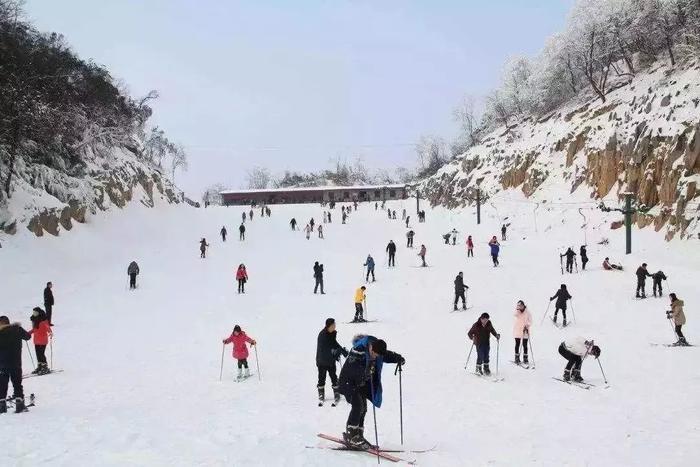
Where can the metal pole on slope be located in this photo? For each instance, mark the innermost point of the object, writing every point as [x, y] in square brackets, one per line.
[546, 311]
[469, 355]
[221, 371]
[257, 363]
[51, 352]
[374, 413]
[498, 347]
[478, 206]
[601, 370]
[31, 357]
[400, 370]
[573, 314]
[532, 352]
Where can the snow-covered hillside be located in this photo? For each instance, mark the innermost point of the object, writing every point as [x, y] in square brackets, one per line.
[141, 369]
[645, 139]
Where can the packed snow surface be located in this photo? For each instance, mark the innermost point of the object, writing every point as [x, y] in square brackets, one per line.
[141, 369]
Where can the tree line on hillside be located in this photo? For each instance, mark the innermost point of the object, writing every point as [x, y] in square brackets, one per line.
[55, 107]
[604, 44]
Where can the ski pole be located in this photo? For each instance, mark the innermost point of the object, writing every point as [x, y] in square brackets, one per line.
[365, 303]
[546, 311]
[400, 370]
[498, 347]
[257, 363]
[374, 414]
[532, 353]
[221, 371]
[30, 354]
[601, 370]
[51, 353]
[673, 328]
[469, 356]
[573, 314]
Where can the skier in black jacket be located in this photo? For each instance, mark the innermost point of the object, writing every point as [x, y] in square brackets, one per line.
[570, 255]
[132, 271]
[584, 257]
[241, 232]
[48, 301]
[391, 249]
[562, 296]
[318, 277]
[11, 337]
[360, 380]
[328, 351]
[642, 275]
[459, 291]
[223, 233]
[657, 277]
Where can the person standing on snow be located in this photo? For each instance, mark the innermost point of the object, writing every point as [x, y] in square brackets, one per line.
[575, 351]
[132, 271]
[454, 236]
[243, 217]
[49, 301]
[41, 332]
[562, 295]
[422, 254]
[370, 268]
[391, 250]
[480, 335]
[223, 233]
[328, 351]
[460, 288]
[241, 232]
[250, 215]
[311, 224]
[408, 218]
[470, 247]
[293, 224]
[521, 330]
[11, 337]
[642, 275]
[409, 238]
[241, 277]
[503, 233]
[330, 219]
[240, 351]
[307, 231]
[360, 298]
[344, 216]
[320, 231]
[495, 249]
[584, 256]
[570, 255]
[361, 380]
[203, 248]
[678, 316]
[656, 278]
[318, 277]
[403, 215]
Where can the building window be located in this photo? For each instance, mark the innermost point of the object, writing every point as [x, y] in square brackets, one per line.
[346, 195]
[376, 194]
[392, 194]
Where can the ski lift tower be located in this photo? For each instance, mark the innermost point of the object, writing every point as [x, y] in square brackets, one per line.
[628, 210]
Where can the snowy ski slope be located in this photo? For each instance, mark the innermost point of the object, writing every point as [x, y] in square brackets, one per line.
[141, 385]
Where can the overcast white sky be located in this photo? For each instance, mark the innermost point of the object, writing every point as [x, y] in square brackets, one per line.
[294, 84]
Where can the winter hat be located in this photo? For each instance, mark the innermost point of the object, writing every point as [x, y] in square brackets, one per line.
[379, 346]
[329, 322]
[595, 351]
[484, 315]
[236, 328]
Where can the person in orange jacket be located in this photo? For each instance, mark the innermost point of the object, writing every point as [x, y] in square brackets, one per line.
[41, 333]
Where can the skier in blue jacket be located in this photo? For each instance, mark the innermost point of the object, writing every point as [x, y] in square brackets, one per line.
[495, 248]
[370, 268]
[360, 380]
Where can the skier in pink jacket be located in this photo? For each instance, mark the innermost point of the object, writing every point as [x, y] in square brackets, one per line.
[240, 350]
[521, 330]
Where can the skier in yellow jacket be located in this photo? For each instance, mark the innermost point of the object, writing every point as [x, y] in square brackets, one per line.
[359, 300]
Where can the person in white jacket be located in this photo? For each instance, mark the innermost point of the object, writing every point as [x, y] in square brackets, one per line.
[521, 330]
[575, 351]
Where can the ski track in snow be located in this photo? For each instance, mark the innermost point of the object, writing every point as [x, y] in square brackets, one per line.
[141, 386]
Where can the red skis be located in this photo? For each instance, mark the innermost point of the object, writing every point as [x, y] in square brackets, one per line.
[371, 451]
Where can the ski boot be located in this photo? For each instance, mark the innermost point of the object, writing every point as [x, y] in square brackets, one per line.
[336, 395]
[3, 406]
[321, 394]
[36, 370]
[19, 405]
[525, 360]
[246, 372]
[479, 370]
[455, 308]
[358, 441]
[567, 375]
[576, 376]
[683, 342]
[464, 306]
[563, 324]
[239, 376]
[42, 369]
[517, 359]
[487, 370]
[554, 320]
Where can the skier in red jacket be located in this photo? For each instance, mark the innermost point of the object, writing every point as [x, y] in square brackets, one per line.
[41, 332]
[240, 351]
[241, 277]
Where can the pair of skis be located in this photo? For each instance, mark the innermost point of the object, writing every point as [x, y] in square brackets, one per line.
[383, 453]
[32, 375]
[524, 366]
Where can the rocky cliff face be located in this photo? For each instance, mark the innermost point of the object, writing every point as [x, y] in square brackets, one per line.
[645, 139]
[48, 200]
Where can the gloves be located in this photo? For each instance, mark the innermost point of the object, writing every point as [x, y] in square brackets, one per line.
[345, 352]
[401, 361]
[253, 343]
[224, 341]
[498, 336]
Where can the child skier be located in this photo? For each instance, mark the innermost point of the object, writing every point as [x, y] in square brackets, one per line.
[575, 351]
[240, 350]
[241, 277]
[41, 332]
[521, 330]
[480, 334]
[562, 295]
[223, 233]
[360, 380]
[678, 317]
[360, 298]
